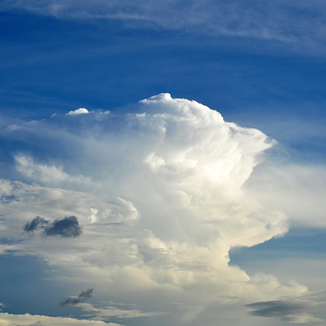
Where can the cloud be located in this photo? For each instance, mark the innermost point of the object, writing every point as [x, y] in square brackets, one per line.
[297, 23]
[27, 319]
[294, 312]
[78, 111]
[34, 225]
[83, 296]
[67, 227]
[111, 311]
[285, 185]
[45, 174]
[162, 200]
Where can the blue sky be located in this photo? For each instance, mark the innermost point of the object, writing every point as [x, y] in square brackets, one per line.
[204, 203]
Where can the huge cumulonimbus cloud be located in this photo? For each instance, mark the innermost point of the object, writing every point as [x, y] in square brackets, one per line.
[158, 193]
[177, 162]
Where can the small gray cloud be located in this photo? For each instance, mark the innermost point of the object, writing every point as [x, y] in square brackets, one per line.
[67, 227]
[35, 224]
[82, 297]
[286, 311]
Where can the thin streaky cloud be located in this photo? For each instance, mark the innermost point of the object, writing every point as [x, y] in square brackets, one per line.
[294, 22]
[293, 312]
[108, 312]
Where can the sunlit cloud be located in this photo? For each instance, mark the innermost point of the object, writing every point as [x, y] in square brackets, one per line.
[27, 319]
[157, 203]
[78, 111]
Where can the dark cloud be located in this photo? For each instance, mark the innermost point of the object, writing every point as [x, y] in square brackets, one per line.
[74, 300]
[287, 311]
[35, 224]
[67, 227]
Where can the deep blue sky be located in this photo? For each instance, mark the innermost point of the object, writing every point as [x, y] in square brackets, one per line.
[51, 65]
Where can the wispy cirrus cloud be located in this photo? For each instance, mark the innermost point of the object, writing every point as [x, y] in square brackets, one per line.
[299, 23]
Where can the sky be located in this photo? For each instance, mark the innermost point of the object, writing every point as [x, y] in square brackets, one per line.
[162, 162]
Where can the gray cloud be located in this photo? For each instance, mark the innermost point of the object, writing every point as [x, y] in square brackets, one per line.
[35, 224]
[67, 227]
[286, 311]
[82, 297]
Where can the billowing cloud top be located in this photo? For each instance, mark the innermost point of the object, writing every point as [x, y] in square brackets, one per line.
[158, 195]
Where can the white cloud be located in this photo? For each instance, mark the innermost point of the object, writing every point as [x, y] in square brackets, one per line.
[30, 320]
[298, 191]
[106, 312]
[45, 174]
[78, 111]
[159, 197]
